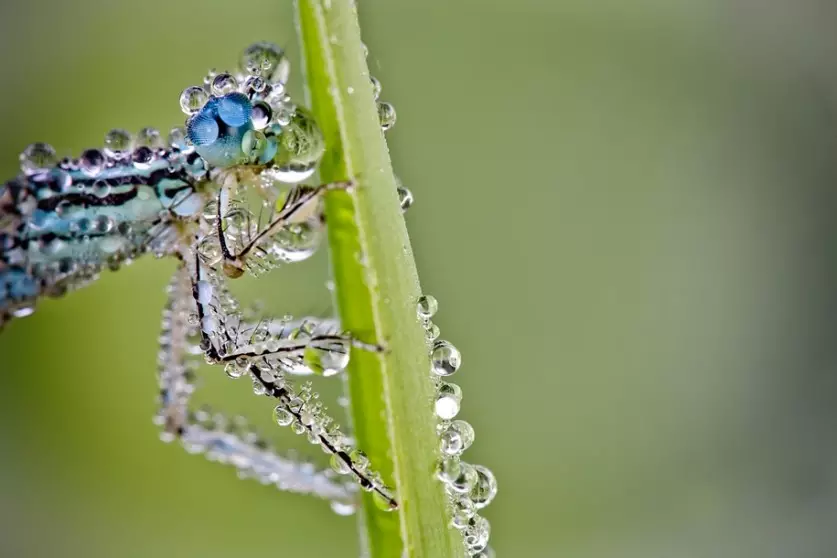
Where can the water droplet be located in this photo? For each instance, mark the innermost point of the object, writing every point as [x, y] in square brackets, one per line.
[465, 480]
[193, 99]
[386, 114]
[463, 511]
[405, 198]
[445, 359]
[456, 437]
[339, 466]
[431, 331]
[448, 469]
[282, 416]
[376, 87]
[38, 157]
[343, 508]
[92, 162]
[149, 137]
[177, 139]
[261, 115]
[301, 146]
[485, 489]
[427, 307]
[477, 534]
[100, 189]
[448, 401]
[223, 83]
[487, 552]
[142, 157]
[360, 460]
[382, 503]
[118, 143]
[266, 60]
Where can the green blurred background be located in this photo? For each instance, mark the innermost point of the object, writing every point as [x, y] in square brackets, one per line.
[625, 209]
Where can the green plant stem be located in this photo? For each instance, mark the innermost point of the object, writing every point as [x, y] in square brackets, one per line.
[376, 289]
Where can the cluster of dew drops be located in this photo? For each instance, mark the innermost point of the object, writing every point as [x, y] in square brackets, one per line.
[469, 488]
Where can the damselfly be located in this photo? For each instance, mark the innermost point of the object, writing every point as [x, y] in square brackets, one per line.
[62, 222]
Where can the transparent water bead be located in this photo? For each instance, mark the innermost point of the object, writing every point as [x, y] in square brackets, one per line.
[92, 162]
[193, 99]
[343, 508]
[266, 60]
[431, 331]
[118, 143]
[405, 198]
[386, 114]
[456, 437]
[282, 416]
[427, 307]
[465, 480]
[487, 552]
[301, 146]
[376, 87]
[149, 137]
[38, 157]
[223, 83]
[477, 534]
[445, 359]
[448, 401]
[485, 489]
[177, 138]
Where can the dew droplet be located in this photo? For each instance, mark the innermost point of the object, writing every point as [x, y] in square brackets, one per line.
[261, 115]
[465, 480]
[376, 87]
[405, 198]
[343, 508]
[149, 137]
[427, 307]
[38, 157]
[92, 162]
[339, 466]
[177, 139]
[386, 114]
[142, 157]
[431, 331]
[193, 99]
[485, 489]
[223, 84]
[456, 438]
[282, 416]
[477, 534]
[301, 146]
[118, 143]
[266, 60]
[448, 401]
[445, 359]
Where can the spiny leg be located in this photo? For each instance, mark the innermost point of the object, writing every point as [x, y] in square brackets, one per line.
[220, 439]
[239, 245]
[266, 362]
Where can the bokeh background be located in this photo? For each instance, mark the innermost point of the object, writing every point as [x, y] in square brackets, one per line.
[626, 210]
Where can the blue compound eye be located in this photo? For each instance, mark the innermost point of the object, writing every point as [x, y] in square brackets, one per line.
[234, 109]
[202, 128]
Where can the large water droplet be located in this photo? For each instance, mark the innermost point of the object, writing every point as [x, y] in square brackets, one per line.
[38, 157]
[386, 114]
[266, 60]
[427, 307]
[118, 143]
[465, 480]
[301, 146]
[448, 401]
[339, 466]
[177, 139]
[92, 162]
[149, 137]
[456, 437]
[282, 416]
[485, 489]
[445, 359]
[193, 99]
[376, 87]
[261, 115]
[343, 508]
[223, 84]
[477, 534]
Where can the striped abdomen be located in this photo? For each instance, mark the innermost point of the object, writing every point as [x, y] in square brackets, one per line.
[61, 226]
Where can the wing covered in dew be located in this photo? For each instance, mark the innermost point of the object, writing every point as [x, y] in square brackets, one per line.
[62, 222]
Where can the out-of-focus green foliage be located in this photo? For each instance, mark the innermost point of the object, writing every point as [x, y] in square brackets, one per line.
[624, 208]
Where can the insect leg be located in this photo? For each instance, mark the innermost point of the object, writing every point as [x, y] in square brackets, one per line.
[220, 439]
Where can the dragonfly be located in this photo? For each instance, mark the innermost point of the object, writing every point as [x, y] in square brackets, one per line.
[224, 196]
